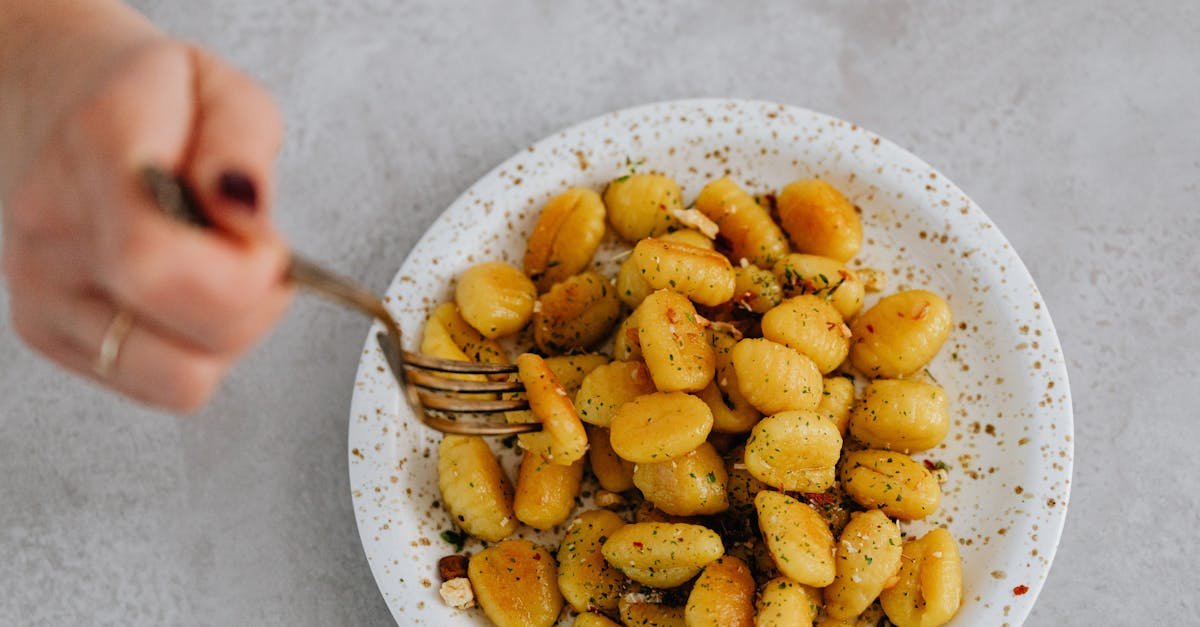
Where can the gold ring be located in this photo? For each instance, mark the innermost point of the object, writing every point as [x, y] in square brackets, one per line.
[110, 346]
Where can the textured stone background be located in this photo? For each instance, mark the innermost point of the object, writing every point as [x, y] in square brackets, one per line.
[1073, 124]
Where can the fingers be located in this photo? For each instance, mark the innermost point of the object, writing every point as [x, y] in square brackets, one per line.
[236, 137]
[149, 366]
[218, 294]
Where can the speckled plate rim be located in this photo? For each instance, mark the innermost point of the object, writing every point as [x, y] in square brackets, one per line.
[375, 396]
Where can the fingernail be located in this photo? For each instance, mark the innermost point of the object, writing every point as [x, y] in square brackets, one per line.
[240, 189]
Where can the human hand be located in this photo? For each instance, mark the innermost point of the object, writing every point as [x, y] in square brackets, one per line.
[83, 242]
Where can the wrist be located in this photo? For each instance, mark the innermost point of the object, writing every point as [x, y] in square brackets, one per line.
[52, 54]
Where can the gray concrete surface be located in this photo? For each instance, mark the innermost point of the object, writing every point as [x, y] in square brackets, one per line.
[1074, 124]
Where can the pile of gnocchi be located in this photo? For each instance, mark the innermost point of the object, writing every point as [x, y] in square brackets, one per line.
[748, 428]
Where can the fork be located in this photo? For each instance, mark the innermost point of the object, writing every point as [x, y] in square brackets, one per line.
[422, 379]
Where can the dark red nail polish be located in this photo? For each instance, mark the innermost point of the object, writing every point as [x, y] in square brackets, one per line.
[240, 189]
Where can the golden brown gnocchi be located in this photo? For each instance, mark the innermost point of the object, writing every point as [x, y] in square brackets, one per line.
[775, 378]
[748, 228]
[819, 220]
[837, 401]
[516, 584]
[613, 473]
[691, 485]
[900, 334]
[755, 289]
[868, 558]
[495, 298]
[929, 587]
[632, 286]
[474, 488]
[627, 346]
[678, 412]
[473, 344]
[586, 580]
[795, 451]
[545, 492]
[732, 413]
[797, 537]
[659, 427]
[643, 205]
[786, 603]
[662, 555]
[890, 481]
[562, 439]
[723, 596]
[812, 326]
[900, 415]
[688, 236]
[674, 345]
[575, 314]
[565, 238]
[702, 275]
[821, 276]
[608, 387]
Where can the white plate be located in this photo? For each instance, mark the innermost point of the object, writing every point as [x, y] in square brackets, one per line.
[1010, 446]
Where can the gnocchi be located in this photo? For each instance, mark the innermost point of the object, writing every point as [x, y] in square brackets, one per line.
[786, 603]
[797, 537]
[830, 279]
[929, 587]
[775, 378]
[643, 205]
[608, 387]
[868, 559]
[691, 485]
[546, 492]
[662, 555]
[474, 488]
[900, 415]
[495, 298]
[755, 289]
[900, 334]
[472, 343]
[794, 451]
[673, 343]
[613, 473]
[819, 220]
[586, 580]
[704, 276]
[748, 228]
[723, 596]
[892, 482]
[727, 402]
[812, 326]
[562, 439]
[575, 314]
[659, 427]
[565, 238]
[516, 584]
[837, 401]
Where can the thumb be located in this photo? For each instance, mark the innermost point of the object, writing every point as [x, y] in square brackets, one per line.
[235, 139]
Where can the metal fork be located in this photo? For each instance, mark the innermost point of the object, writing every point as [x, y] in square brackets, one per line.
[422, 379]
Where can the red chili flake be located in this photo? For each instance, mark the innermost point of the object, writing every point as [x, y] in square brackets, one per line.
[1021, 589]
[870, 328]
[929, 465]
[638, 545]
[819, 498]
[537, 557]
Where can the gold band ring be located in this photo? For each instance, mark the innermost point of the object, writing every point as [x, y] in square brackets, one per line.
[110, 346]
